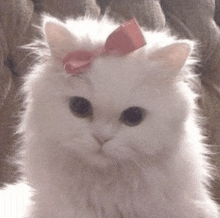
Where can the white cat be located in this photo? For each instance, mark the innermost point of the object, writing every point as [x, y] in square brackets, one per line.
[120, 140]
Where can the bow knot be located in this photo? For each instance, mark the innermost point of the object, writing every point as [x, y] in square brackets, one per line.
[124, 40]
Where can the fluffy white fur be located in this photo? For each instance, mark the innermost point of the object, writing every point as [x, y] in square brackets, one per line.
[156, 169]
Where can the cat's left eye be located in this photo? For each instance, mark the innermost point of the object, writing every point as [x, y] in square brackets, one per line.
[81, 107]
[132, 116]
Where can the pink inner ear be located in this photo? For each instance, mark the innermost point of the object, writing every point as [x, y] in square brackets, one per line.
[172, 56]
[59, 39]
[54, 32]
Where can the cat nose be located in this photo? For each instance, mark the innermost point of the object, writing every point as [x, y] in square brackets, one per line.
[101, 139]
[103, 131]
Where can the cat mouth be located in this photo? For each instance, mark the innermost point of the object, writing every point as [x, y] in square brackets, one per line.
[102, 152]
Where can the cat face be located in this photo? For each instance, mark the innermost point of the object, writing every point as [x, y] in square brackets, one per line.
[121, 108]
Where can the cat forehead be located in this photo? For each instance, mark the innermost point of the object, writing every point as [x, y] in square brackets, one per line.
[113, 81]
[117, 71]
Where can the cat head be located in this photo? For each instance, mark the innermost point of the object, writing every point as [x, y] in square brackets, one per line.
[122, 107]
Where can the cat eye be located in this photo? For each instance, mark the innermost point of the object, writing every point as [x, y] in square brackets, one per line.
[132, 116]
[81, 107]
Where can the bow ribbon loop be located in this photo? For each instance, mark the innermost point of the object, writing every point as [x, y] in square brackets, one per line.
[124, 40]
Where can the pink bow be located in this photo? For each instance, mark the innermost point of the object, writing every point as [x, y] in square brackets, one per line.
[124, 40]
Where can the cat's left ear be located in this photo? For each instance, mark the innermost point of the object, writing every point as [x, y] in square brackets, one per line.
[172, 57]
[59, 38]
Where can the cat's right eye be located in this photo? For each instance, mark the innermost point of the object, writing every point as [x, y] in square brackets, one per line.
[81, 107]
[132, 116]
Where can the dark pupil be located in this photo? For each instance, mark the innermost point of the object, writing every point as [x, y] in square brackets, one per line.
[80, 106]
[132, 116]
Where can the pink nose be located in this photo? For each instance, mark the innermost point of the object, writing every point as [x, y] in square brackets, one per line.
[101, 140]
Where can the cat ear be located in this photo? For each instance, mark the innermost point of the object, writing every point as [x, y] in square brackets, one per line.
[172, 57]
[59, 39]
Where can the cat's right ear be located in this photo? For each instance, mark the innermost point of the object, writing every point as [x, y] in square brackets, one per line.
[59, 38]
[172, 58]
